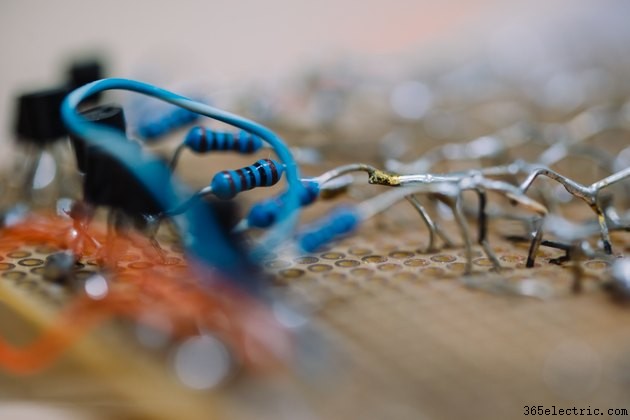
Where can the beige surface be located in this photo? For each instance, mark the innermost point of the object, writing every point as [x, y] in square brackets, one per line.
[220, 45]
[397, 335]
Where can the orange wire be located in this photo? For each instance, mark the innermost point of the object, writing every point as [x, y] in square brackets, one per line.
[169, 289]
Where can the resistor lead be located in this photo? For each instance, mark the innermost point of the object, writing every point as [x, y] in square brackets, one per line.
[226, 184]
[341, 221]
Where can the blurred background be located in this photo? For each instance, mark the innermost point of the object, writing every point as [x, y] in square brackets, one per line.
[369, 80]
[227, 44]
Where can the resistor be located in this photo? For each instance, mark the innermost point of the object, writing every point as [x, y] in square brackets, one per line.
[346, 219]
[265, 213]
[340, 221]
[202, 139]
[264, 173]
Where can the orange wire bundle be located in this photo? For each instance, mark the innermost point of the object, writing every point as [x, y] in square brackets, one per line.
[191, 301]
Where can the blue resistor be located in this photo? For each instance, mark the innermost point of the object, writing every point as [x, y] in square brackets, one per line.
[156, 124]
[263, 173]
[340, 221]
[202, 140]
[265, 213]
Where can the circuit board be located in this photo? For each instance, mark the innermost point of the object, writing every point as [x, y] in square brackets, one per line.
[395, 332]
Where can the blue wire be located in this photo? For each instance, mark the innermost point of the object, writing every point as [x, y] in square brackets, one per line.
[152, 175]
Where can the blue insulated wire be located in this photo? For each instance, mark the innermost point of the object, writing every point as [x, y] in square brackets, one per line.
[111, 142]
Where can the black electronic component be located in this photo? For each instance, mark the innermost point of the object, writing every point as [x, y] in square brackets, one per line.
[108, 182]
[38, 116]
[110, 115]
[84, 72]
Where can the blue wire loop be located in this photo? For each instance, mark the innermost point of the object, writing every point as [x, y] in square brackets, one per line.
[152, 175]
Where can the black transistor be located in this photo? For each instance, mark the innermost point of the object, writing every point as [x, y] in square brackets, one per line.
[107, 182]
[39, 116]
